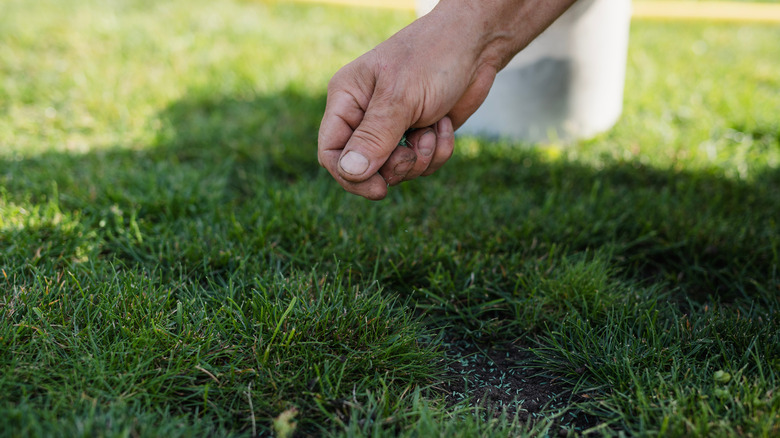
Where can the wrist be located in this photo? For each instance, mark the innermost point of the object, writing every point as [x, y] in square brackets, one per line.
[499, 29]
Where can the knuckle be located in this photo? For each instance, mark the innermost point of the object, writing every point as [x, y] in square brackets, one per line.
[372, 139]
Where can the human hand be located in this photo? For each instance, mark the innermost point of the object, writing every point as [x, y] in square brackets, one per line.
[430, 77]
[420, 79]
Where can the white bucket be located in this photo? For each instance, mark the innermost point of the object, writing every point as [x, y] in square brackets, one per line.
[567, 84]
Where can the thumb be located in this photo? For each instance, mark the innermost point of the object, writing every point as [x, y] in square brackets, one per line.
[372, 143]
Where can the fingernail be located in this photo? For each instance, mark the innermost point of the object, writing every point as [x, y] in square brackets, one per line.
[444, 126]
[427, 143]
[401, 169]
[353, 163]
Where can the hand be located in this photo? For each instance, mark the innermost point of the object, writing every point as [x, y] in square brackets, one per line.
[428, 148]
[430, 76]
[420, 78]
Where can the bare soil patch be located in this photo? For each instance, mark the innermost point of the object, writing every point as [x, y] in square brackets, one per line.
[501, 378]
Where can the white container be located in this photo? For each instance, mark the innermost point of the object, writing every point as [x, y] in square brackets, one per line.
[567, 84]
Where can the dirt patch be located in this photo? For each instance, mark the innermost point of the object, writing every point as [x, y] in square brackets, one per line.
[499, 378]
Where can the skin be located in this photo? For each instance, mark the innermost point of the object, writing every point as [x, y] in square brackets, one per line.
[431, 76]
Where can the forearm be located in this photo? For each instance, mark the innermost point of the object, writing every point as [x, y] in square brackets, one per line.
[501, 28]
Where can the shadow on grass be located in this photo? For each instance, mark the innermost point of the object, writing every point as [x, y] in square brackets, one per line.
[272, 138]
[210, 153]
[706, 233]
[233, 178]
[231, 191]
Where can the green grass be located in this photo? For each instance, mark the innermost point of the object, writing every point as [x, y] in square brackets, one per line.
[175, 263]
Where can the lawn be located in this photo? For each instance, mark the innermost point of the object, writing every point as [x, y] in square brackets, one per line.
[173, 262]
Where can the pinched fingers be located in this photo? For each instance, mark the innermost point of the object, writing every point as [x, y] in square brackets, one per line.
[374, 188]
[400, 162]
[445, 145]
[348, 162]
[434, 146]
[428, 149]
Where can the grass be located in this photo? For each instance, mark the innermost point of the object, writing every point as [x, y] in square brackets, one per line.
[175, 263]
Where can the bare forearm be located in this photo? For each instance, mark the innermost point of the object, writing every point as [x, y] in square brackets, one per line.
[501, 27]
